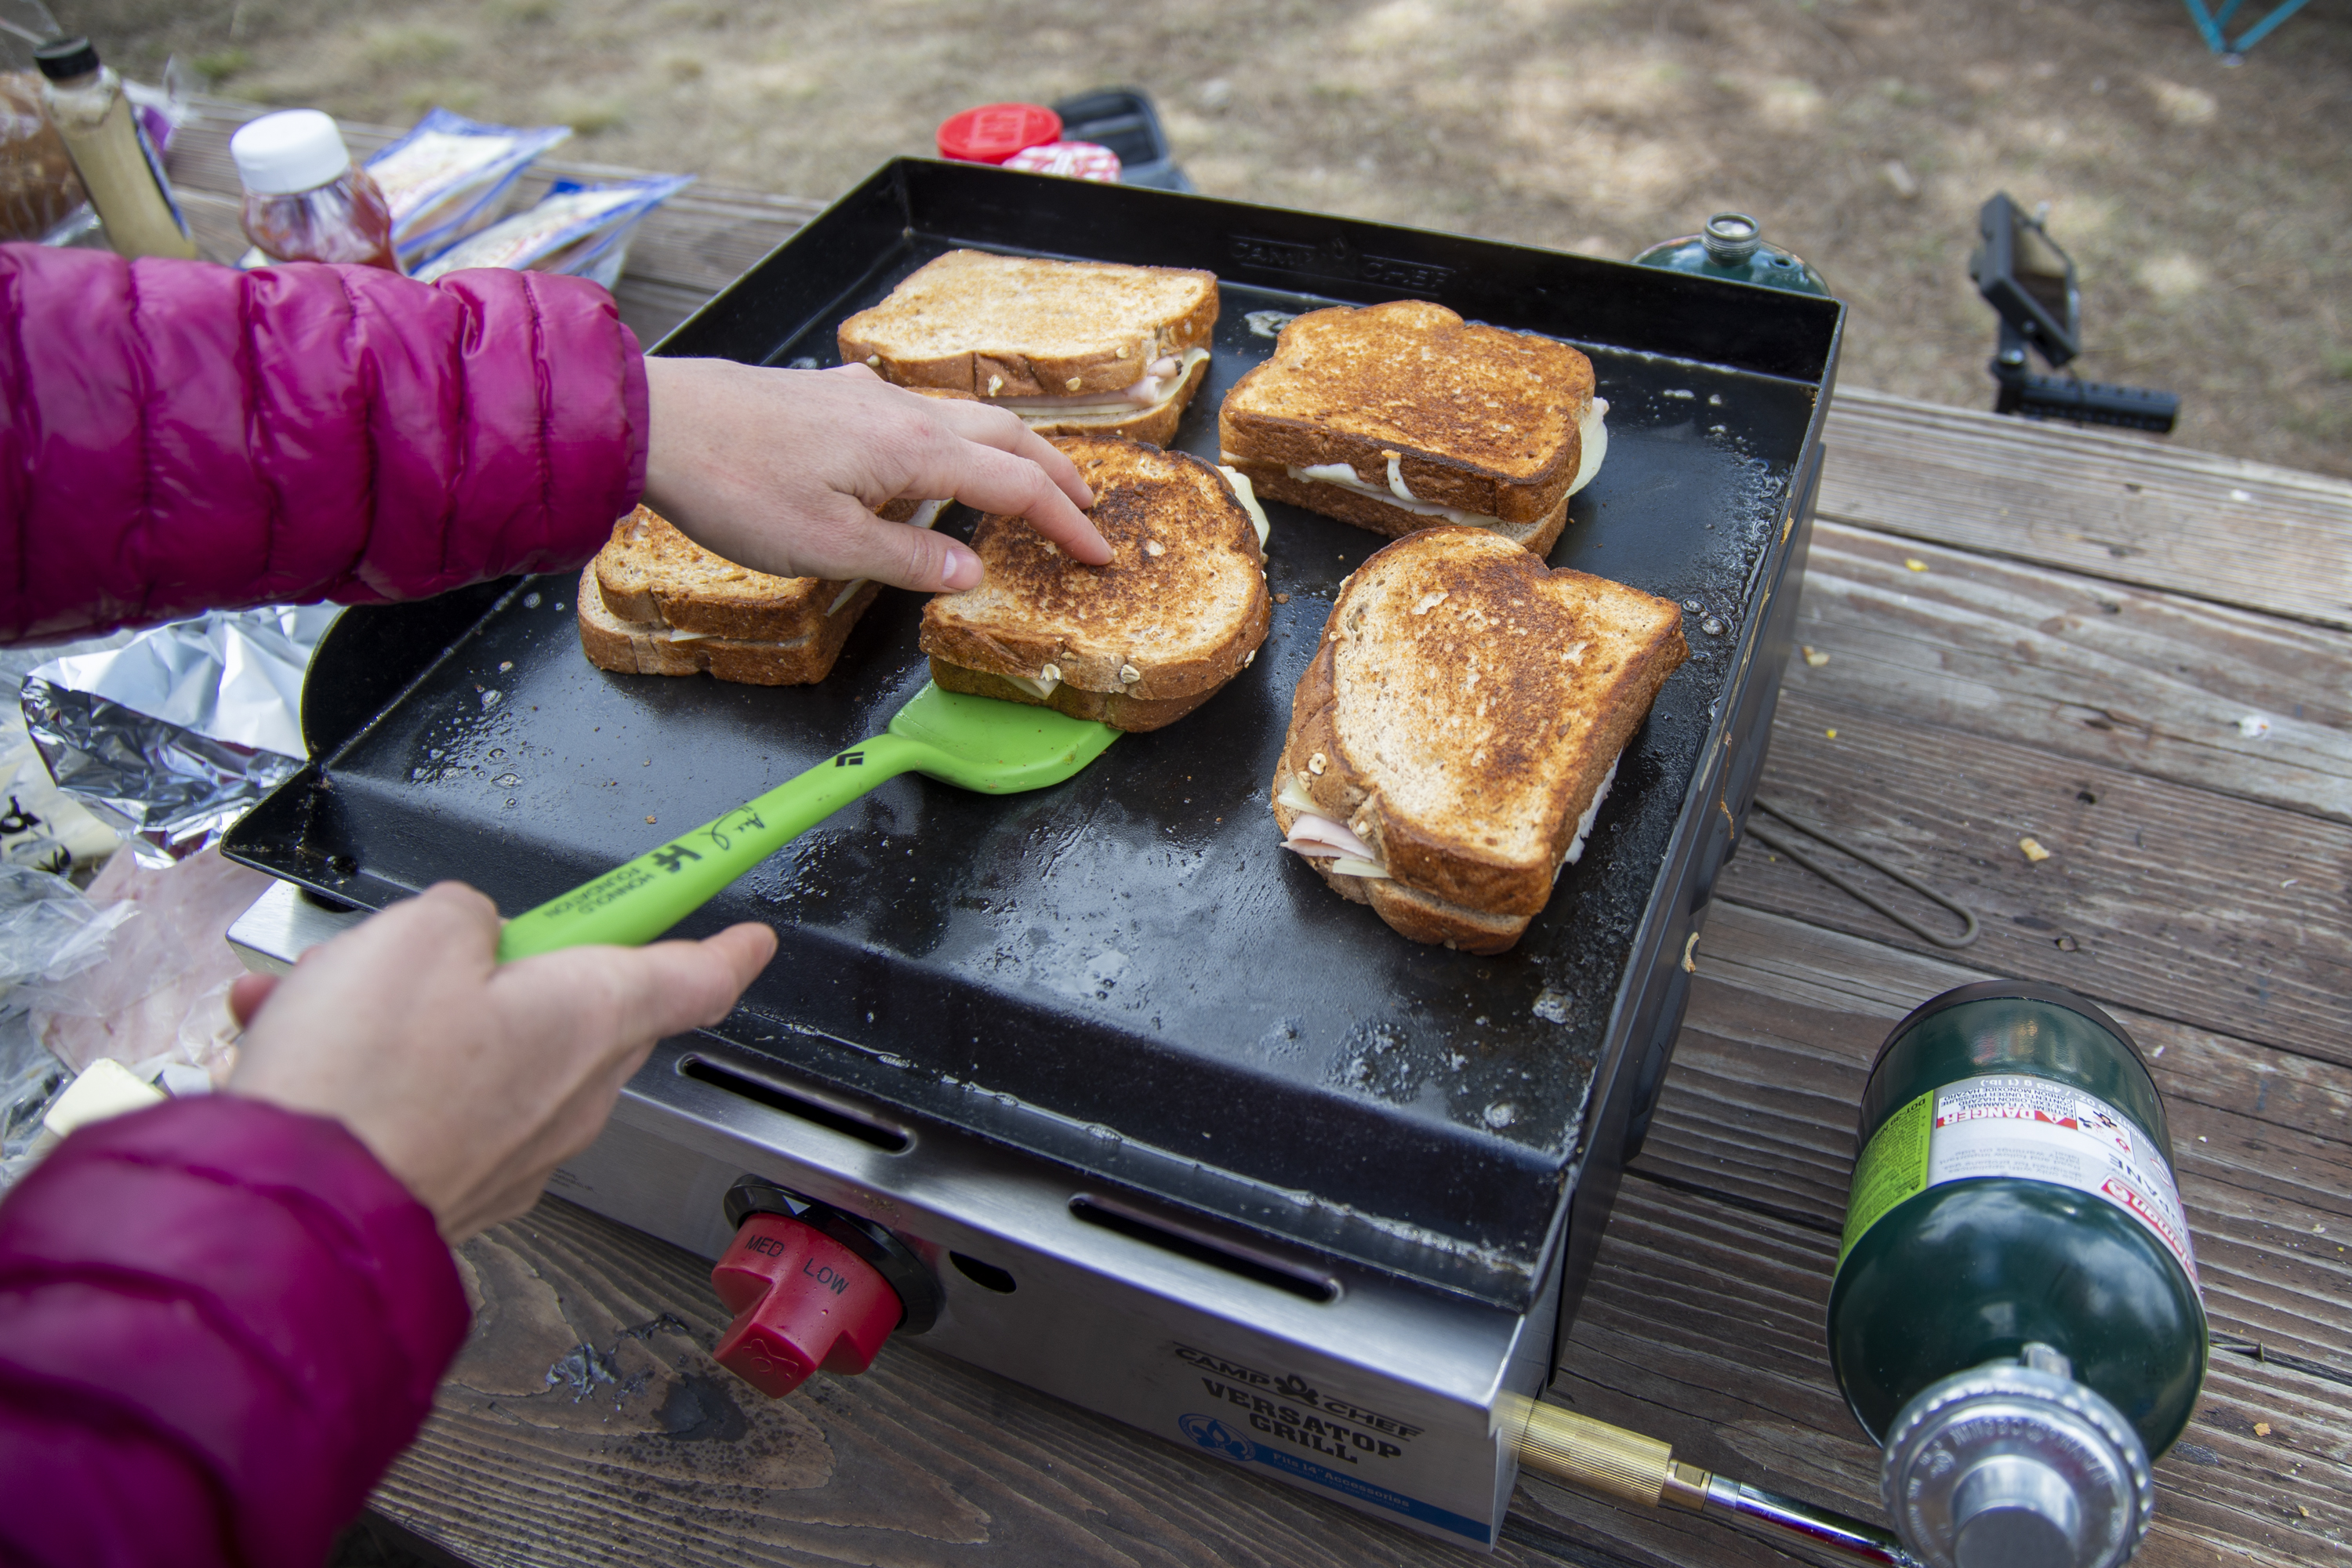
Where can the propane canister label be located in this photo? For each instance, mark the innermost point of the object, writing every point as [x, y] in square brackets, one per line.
[2012, 1125]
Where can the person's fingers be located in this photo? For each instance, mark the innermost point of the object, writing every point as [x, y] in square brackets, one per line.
[1004, 430]
[247, 992]
[644, 993]
[988, 479]
[854, 543]
[461, 915]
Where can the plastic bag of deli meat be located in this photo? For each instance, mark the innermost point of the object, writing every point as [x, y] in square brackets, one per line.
[157, 992]
[447, 178]
[583, 230]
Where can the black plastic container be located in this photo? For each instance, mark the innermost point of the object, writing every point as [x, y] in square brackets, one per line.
[1125, 974]
[1123, 120]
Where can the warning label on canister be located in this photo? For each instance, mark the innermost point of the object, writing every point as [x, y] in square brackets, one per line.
[2012, 1125]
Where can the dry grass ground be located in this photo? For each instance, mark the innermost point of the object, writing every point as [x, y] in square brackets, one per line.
[2205, 205]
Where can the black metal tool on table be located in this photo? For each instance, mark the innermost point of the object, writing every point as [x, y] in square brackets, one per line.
[1969, 930]
[2024, 277]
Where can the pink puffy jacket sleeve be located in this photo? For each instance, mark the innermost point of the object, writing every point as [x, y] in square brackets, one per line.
[219, 1320]
[180, 435]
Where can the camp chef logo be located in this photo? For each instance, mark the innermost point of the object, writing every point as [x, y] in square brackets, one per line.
[1290, 1410]
[1335, 257]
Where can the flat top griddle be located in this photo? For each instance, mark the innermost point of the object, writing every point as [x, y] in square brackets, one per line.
[1124, 974]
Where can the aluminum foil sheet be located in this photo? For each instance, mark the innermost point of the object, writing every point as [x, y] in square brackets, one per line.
[175, 734]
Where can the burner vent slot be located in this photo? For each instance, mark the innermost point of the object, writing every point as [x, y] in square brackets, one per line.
[1204, 1245]
[987, 1276]
[837, 1116]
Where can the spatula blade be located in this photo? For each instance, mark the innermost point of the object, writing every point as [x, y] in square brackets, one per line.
[997, 747]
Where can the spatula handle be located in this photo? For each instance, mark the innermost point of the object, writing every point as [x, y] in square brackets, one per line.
[636, 902]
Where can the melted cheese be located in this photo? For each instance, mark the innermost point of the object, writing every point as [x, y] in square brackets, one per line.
[1036, 686]
[1592, 447]
[1246, 493]
[1584, 823]
[1147, 393]
[1344, 476]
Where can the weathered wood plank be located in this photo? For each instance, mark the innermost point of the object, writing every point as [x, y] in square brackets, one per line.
[1859, 987]
[642, 1450]
[2228, 700]
[2219, 912]
[2106, 504]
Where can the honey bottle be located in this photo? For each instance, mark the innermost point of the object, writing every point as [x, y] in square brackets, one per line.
[118, 165]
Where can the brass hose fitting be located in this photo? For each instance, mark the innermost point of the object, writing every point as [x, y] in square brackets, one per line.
[1611, 1462]
[1598, 1458]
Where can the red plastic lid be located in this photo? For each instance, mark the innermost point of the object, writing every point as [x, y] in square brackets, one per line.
[1077, 160]
[802, 1301]
[994, 131]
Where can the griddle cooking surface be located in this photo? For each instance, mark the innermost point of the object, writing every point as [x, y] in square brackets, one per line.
[1124, 973]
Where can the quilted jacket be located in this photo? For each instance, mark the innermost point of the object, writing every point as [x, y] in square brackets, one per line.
[219, 1319]
[182, 436]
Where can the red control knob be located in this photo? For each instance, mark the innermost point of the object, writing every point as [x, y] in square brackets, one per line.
[802, 1301]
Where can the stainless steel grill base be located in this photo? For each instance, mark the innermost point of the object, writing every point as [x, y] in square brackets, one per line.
[1375, 1393]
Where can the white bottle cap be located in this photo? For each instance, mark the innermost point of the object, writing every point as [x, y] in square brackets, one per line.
[293, 150]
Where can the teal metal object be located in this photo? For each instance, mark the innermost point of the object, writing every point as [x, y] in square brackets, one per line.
[2211, 24]
[1733, 247]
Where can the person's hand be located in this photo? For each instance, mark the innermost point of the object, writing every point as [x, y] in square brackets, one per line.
[469, 1080]
[781, 470]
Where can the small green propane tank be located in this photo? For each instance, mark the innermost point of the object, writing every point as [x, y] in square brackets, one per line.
[1733, 247]
[2016, 1315]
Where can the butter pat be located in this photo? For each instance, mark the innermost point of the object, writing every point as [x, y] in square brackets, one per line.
[105, 1090]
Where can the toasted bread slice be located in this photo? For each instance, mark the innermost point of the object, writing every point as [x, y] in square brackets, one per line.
[639, 647]
[1180, 610]
[1459, 720]
[1418, 418]
[653, 601]
[1016, 327]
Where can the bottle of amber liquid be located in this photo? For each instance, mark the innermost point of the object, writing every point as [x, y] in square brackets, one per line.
[118, 166]
[304, 198]
[2015, 1315]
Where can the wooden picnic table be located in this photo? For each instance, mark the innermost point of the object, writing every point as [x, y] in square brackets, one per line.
[2138, 655]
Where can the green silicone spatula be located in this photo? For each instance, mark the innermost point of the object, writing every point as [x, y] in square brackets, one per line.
[972, 742]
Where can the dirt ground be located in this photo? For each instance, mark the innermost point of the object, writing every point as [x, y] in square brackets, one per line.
[2205, 203]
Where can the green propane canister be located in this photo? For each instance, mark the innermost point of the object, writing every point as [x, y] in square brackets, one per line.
[2015, 1316]
[1733, 247]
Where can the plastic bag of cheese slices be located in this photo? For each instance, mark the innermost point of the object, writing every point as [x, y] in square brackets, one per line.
[447, 178]
[583, 230]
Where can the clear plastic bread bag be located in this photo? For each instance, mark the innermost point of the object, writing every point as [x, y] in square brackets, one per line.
[40, 192]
